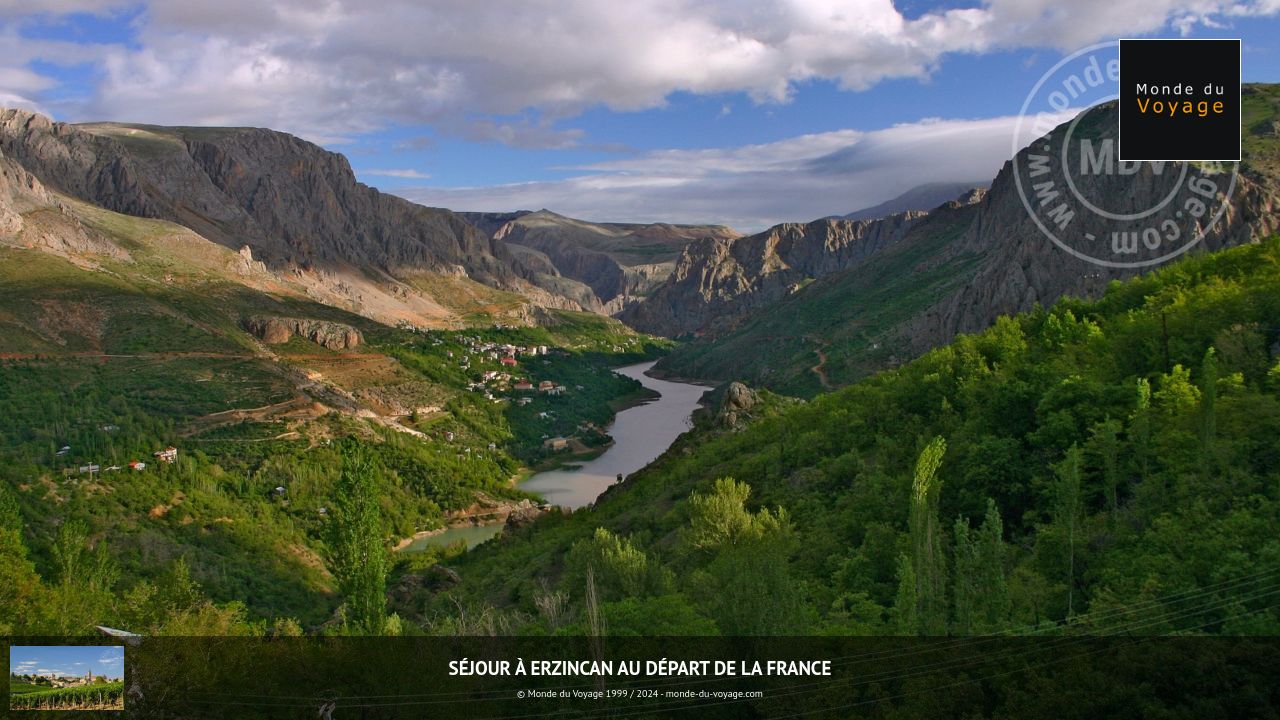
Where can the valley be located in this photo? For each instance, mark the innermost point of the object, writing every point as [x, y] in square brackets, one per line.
[236, 380]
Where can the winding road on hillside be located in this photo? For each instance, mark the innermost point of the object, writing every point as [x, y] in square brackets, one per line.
[820, 368]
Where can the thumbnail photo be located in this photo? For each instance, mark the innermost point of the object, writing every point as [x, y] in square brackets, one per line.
[60, 677]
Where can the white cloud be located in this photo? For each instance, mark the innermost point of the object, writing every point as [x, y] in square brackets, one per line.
[328, 69]
[754, 186]
[395, 173]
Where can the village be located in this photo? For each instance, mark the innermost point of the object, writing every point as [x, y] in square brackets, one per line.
[55, 680]
[168, 455]
[507, 373]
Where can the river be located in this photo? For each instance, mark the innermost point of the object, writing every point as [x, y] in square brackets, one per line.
[640, 434]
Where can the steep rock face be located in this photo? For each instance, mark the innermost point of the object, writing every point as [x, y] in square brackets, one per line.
[717, 282]
[963, 266]
[20, 192]
[32, 217]
[277, 330]
[292, 202]
[1021, 267]
[618, 262]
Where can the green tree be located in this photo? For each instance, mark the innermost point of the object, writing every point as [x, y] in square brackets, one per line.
[86, 574]
[980, 592]
[1105, 443]
[747, 587]
[928, 560]
[621, 569]
[721, 518]
[358, 554]
[1140, 428]
[1208, 401]
[1068, 509]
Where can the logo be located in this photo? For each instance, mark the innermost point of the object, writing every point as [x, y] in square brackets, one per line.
[1100, 209]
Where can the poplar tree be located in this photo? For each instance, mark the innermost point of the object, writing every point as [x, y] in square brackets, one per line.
[1140, 427]
[358, 554]
[1208, 398]
[1067, 509]
[928, 561]
[980, 593]
[1107, 443]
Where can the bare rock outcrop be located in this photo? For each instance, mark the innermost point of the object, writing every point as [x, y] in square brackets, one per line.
[33, 217]
[291, 202]
[277, 330]
[718, 281]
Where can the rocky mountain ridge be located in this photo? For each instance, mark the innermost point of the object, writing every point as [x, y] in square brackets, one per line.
[618, 263]
[921, 197]
[957, 269]
[718, 281]
[296, 207]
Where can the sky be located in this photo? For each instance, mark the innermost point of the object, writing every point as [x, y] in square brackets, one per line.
[67, 661]
[745, 113]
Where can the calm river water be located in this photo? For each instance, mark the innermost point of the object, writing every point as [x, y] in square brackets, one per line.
[640, 435]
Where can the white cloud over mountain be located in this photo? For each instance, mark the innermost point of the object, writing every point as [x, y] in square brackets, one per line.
[754, 186]
[328, 69]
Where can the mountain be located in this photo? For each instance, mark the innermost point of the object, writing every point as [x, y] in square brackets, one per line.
[286, 203]
[718, 281]
[1156, 407]
[123, 335]
[921, 197]
[617, 263]
[958, 270]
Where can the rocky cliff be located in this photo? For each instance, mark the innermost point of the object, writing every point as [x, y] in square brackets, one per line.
[293, 203]
[957, 269]
[718, 281]
[618, 262]
[33, 217]
[277, 330]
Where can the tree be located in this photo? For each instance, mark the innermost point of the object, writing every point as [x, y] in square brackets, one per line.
[1106, 444]
[621, 569]
[747, 588]
[1140, 428]
[85, 576]
[358, 554]
[928, 561]
[720, 517]
[981, 595]
[1208, 398]
[1068, 507]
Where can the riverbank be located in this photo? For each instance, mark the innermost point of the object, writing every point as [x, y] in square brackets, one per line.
[646, 424]
[489, 512]
[640, 434]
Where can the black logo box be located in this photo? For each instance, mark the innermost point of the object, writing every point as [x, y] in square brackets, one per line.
[1187, 67]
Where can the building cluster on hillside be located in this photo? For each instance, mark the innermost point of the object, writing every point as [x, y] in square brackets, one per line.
[168, 455]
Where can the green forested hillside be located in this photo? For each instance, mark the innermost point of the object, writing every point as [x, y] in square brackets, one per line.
[1112, 464]
[105, 360]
